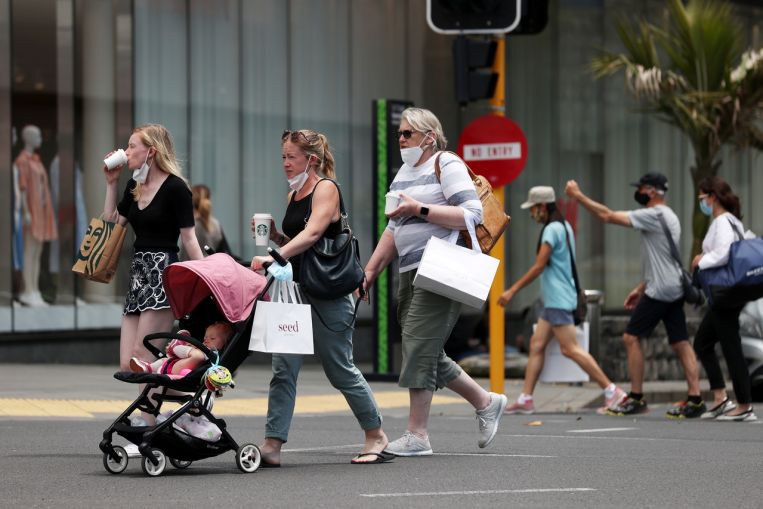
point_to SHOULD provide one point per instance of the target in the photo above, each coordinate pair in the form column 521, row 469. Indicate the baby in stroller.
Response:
column 183, row 357
column 216, row 290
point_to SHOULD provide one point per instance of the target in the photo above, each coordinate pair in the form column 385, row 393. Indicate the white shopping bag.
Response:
column 283, row 324
column 557, row 367
column 461, row 274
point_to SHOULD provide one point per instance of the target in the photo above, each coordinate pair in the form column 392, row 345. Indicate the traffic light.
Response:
column 473, row 61
column 517, row 17
column 473, row 16
column 534, row 17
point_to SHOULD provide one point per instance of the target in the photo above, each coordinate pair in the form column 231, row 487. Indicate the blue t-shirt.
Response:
column 557, row 283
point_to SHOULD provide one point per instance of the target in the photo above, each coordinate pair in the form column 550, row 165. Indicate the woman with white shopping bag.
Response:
column 554, row 263
column 429, row 207
column 721, row 323
column 313, row 212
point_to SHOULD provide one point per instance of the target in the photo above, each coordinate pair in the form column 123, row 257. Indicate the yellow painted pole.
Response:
column 497, row 322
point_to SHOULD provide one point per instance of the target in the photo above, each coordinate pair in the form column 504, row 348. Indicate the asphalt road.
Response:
column 578, row 460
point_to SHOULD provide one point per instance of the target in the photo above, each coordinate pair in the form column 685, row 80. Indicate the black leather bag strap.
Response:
column 349, row 325
column 342, row 210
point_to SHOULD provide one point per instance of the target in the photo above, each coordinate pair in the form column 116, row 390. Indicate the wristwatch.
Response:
column 424, row 211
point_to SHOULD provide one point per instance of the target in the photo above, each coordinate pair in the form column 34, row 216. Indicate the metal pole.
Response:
column 497, row 320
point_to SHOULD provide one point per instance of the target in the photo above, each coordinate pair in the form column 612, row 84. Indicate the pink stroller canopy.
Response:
column 234, row 286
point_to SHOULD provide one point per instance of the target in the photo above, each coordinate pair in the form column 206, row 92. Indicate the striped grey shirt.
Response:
column 420, row 183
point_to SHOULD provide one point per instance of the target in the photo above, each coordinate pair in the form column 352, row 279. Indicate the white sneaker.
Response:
column 617, row 397
column 409, row 445
column 489, row 417
column 132, row 451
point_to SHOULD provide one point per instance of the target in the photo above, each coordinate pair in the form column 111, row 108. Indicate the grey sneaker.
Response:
column 488, row 419
column 409, row 445
column 721, row 408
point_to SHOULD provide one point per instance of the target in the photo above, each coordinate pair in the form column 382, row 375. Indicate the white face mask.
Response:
column 141, row 173
column 296, row 183
column 411, row 155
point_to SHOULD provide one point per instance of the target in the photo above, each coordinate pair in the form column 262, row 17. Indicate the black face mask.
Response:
column 641, row 198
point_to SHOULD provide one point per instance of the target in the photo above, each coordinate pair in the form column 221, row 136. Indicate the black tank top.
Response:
column 294, row 222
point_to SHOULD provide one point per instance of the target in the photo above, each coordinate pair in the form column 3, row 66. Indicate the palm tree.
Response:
column 694, row 74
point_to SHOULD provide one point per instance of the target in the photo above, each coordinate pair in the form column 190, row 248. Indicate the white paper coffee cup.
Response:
column 116, row 159
column 393, row 200
column 262, row 229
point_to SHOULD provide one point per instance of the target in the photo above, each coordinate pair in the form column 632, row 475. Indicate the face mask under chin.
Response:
column 411, row 155
column 297, row 182
column 141, row 173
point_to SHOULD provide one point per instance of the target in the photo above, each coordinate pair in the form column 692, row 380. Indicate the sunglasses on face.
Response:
column 407, row 133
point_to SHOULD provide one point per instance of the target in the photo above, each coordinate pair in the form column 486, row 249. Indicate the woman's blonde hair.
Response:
column 157, row 136
column 425, row 121
column 313, row 143
column 202, row 204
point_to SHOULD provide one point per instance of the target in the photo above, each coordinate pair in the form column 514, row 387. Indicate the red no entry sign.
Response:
column 494, row 147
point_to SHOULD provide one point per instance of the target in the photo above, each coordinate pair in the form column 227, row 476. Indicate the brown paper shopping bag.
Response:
column 99, row 253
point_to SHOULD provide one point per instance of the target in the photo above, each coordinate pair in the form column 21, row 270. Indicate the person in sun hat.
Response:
column 553, row 263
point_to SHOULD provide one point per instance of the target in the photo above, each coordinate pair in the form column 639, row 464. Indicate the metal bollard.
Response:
column 594, row 301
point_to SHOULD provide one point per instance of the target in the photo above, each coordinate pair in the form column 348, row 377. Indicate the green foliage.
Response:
column 694, row 74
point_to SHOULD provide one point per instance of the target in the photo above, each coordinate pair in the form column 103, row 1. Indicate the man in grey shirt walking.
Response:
column 658, row 297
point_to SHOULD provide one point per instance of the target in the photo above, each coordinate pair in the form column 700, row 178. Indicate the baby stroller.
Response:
column 200, row 292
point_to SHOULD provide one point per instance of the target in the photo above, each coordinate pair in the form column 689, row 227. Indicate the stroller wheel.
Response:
column 181, row 464
column 248, row 458
column 158, row 469
column 115, row 467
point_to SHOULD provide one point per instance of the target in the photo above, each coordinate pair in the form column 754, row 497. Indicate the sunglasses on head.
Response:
column 294, row 136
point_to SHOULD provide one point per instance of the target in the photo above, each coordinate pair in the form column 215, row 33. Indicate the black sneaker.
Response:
column 686, row 410
column 629, row 407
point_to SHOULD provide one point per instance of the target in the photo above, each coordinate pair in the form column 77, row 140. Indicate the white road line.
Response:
column 492, row 454
column 327, row 448
column 484, row 455
column 568, row 437
column 475, row 492
column 598, row 430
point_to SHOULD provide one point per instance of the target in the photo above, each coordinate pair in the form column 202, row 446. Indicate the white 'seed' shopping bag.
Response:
column 557, row 367
column 461, row 274
column 283, row 324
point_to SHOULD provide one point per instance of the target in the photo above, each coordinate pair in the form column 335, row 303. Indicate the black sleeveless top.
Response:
column 294, row 222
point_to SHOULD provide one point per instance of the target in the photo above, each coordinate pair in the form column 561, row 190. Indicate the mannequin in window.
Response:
column 38, row 216
column 17, row 242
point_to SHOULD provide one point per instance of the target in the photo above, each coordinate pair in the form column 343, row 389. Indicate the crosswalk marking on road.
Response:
column 598, row 430
column 476, row 492
column 225, row 406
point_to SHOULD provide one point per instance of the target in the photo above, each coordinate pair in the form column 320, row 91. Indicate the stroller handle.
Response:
column 280, row 260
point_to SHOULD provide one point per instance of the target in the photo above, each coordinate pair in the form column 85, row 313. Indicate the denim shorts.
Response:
column 557, row 317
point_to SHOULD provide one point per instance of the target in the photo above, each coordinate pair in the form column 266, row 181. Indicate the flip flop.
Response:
column 381, row 457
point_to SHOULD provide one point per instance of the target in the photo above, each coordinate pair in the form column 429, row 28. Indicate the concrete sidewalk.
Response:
column 41, row 390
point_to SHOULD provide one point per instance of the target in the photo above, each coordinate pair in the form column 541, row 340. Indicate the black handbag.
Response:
column 331, row 268
column 692, row 292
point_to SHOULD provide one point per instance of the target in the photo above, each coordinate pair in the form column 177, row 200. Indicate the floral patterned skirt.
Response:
column 146, row 288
